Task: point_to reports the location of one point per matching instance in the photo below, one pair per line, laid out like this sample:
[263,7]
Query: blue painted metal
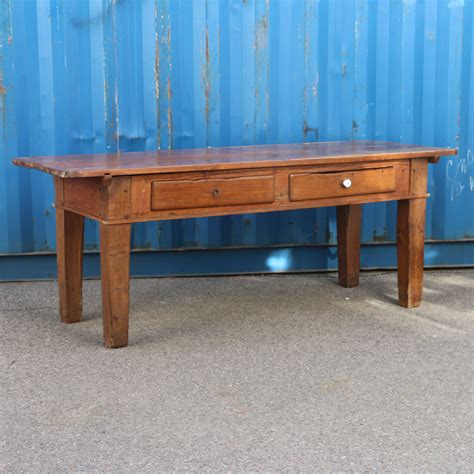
[83,76]
[231,261]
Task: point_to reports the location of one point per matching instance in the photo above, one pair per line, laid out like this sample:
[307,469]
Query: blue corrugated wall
[82,76]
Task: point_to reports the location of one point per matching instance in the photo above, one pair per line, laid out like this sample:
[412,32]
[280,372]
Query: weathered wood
[214,159]
[69,247]
[305,186]
[181,201]
[411,238]
[115,271]
[119,197]
[84,195]
[348,244]
[410,251]
[195,193]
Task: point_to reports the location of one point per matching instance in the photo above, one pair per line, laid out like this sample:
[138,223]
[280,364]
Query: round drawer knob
[347,183]
[215,192]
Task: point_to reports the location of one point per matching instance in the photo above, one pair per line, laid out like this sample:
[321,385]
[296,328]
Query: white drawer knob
[347,183]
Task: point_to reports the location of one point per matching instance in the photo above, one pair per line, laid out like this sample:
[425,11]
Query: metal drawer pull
[215,192]
[347,183]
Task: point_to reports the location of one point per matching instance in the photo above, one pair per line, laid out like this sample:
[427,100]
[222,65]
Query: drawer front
[307,186]
[195,193]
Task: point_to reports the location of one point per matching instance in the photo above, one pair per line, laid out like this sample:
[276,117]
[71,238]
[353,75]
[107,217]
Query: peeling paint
[261,32]
[307,130]
[355,127]
[383,237]
[262,70]
[6,32]
[310,93]
[111,105]
[206,77]
[314,88]
[170,115]
[163,76]
[157,78]
[3,92]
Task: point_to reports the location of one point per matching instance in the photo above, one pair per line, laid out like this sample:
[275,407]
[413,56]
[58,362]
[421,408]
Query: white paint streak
[458,175]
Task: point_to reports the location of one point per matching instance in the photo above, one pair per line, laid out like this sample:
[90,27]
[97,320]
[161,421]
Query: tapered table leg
[115,272]
[348,244]
[410,248]
[69,245]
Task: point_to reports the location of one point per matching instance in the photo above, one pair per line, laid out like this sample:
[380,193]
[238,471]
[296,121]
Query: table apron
[128,199]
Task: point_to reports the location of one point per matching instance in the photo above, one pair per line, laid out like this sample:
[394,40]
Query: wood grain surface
[304,186]
[226,158]
[348,244]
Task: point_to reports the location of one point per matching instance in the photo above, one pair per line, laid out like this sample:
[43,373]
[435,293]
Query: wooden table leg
[115,272]
[69,245]
[410,250]
[348,244]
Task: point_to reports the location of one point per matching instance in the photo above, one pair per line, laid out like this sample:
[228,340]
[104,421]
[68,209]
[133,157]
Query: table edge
[434,154]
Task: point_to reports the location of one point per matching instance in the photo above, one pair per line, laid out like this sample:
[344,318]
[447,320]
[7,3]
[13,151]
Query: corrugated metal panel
[105,75]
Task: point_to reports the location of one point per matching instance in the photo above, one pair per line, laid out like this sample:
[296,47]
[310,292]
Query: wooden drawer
[307,186]
[213,192]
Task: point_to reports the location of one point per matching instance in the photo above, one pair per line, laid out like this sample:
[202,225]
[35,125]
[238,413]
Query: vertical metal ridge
[97,76]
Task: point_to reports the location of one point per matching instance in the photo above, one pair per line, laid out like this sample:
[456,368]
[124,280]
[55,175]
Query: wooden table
[118,189]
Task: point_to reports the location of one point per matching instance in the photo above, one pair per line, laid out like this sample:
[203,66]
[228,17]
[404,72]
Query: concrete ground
[251,373]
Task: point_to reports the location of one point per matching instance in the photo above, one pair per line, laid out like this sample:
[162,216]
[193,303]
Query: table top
[226,158]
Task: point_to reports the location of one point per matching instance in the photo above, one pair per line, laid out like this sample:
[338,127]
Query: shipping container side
[96,76]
